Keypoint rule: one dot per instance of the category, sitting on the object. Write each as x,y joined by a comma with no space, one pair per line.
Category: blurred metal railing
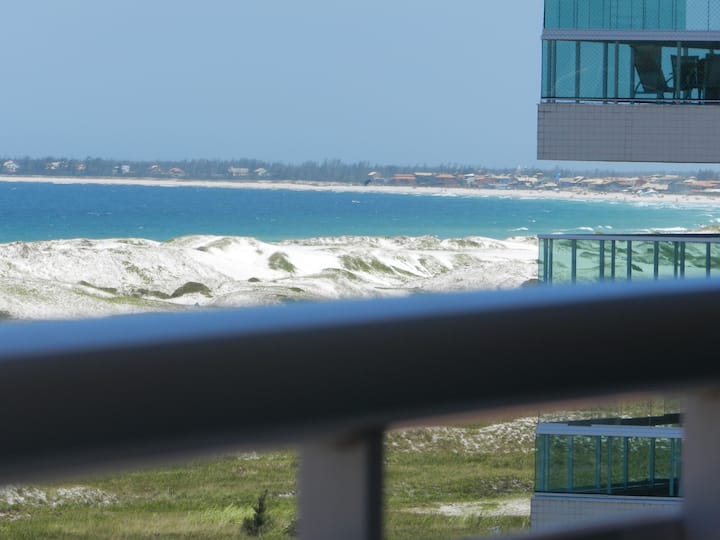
89,395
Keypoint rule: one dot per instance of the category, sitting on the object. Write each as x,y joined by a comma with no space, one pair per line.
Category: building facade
630,80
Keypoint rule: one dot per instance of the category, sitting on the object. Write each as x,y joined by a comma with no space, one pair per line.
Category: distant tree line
327,170
207,169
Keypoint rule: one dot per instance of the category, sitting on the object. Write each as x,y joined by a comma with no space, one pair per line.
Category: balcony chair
686,74
647,62
711,79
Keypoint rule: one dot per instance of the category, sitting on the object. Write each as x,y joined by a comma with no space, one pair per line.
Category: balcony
630,80
589,469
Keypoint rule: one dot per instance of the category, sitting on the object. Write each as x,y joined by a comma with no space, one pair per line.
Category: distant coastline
297,185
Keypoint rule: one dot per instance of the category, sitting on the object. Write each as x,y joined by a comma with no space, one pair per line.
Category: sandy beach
700,200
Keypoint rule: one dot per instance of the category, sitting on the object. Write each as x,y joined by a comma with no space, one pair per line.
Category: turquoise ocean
47,211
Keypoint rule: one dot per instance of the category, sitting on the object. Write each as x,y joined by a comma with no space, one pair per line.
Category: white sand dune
88,278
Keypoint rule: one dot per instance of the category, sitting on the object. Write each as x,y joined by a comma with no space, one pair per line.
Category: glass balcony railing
609,459
678,71
633,14
594,258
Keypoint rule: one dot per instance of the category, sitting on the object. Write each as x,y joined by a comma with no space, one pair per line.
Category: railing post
708,260
656,259
340,488
701,467
550,260
682,260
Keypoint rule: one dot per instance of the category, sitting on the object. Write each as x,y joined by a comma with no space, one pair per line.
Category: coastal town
655,184
703,183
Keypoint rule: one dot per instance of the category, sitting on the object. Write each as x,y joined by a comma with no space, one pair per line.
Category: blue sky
385,81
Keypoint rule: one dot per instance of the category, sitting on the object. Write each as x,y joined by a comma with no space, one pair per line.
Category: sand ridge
295,185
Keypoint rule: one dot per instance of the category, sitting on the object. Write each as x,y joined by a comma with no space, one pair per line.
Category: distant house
176,172
238,171
565,182
260,172
446,179
376,178
403,178
525,181
10,167
154,169
424,178
502,181
694,185
55,165
121,169
482,180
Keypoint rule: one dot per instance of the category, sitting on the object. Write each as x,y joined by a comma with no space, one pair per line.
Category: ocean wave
670,230
98,277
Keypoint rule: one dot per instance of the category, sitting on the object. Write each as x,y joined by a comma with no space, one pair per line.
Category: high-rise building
630,80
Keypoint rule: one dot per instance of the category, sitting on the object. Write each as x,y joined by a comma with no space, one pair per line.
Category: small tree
254,525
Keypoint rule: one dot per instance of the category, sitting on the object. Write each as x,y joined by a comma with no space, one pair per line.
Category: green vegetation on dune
191,287
280,261
370,265
440,482
214,498
109,290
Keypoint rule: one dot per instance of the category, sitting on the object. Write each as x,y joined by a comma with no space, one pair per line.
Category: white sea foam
670,230
89,278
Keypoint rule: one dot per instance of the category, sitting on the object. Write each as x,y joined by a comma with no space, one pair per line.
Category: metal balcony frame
611,241
330,377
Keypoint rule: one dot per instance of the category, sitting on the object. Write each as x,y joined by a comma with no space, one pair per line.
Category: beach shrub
191,287
141,273
337,274
139,293
279,261
255,524
372,264
110,290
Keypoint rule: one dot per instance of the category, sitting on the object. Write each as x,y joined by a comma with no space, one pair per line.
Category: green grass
200,499
473,468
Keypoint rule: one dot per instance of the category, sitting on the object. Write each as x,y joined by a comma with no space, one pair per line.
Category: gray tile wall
670,133
549,512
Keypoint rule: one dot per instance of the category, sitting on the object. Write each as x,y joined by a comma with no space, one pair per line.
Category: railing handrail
97,392
636,237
